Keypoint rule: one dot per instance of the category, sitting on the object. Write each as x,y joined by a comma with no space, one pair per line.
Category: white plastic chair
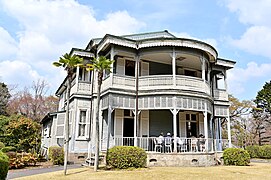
182,145
194,145
157,144
168,144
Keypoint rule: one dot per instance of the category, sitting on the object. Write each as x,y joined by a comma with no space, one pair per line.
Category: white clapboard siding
144,68
118,123
182,122
144,123
201,124
120,66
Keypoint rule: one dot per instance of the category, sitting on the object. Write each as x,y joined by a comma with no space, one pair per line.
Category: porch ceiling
184,60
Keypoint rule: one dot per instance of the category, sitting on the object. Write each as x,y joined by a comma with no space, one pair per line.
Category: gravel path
28,172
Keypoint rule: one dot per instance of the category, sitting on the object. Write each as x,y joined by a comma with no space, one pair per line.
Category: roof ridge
153,32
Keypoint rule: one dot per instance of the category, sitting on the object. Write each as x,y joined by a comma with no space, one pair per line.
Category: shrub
20,160
265,151
1,145
4,162
236,156
8,149
253,151
56,155
123,157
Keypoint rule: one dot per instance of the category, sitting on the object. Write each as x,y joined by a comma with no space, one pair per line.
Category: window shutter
120,66
144,69
118,123
201,124
145,123
182,120
60,125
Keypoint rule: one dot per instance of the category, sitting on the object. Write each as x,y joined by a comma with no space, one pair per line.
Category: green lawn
260,171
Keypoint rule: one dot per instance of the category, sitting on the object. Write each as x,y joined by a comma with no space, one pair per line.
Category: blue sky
34,33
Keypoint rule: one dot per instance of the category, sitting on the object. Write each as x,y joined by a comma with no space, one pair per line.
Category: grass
254,171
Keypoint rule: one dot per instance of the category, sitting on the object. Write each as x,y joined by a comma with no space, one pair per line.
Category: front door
128,131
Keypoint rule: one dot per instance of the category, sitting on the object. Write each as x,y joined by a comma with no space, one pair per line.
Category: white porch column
174,113
137,58
202,59
174,67
109,121
219,141
229,131
77,78
205,125
225,80
211,131
112,54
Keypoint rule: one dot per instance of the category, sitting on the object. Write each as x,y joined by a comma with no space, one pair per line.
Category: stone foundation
183,159
77,157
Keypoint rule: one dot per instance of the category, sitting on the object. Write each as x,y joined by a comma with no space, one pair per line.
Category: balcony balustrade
220,94
154,82
157,82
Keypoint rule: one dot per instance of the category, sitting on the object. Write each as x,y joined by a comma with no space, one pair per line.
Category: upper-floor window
190,73
129,68
220,81
82,123
84,75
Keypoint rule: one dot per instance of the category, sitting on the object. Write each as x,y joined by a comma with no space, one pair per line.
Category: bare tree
33,102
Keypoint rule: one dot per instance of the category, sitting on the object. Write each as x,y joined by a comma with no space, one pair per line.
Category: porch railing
189,145
156,82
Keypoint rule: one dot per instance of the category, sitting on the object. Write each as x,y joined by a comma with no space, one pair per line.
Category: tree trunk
66,141
97,136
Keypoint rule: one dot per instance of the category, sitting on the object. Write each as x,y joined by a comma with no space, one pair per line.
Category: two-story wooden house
159,84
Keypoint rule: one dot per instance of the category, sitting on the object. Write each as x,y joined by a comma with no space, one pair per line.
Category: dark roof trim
50,115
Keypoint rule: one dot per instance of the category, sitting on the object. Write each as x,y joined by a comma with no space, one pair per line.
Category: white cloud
7,43
50,29
18,72
256,38
251,11
240,78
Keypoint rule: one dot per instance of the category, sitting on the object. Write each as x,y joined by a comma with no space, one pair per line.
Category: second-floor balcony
152,83
157,82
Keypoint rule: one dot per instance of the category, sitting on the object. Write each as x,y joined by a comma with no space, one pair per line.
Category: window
84,75
129,68
190,73
191,125
191,117
220,81
128,113
82,123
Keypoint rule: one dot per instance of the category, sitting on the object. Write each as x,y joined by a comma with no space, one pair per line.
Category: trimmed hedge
4,163
236,156
56,155
254,151
265,152
257,151
123,157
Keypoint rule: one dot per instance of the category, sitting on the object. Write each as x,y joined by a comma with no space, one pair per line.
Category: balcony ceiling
184,60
